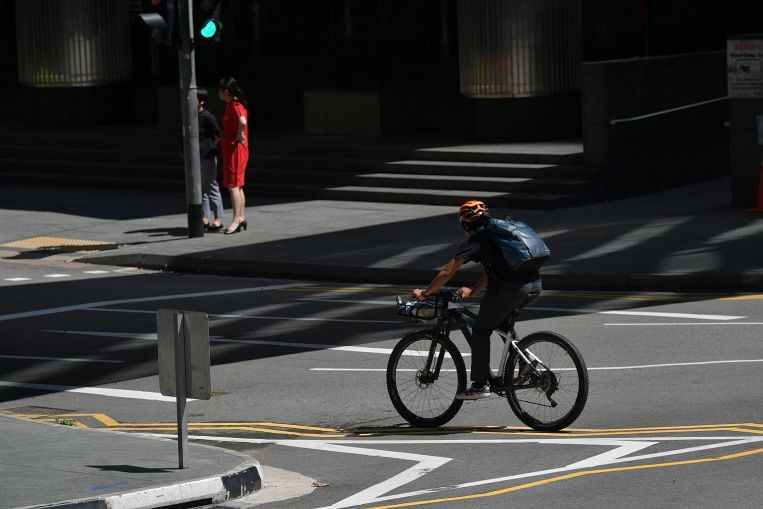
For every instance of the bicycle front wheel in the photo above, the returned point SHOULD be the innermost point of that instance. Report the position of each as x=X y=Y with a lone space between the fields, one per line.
x=551 y=396
x=424 y=374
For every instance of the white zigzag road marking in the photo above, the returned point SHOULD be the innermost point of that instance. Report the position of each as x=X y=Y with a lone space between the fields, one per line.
x=622 y=451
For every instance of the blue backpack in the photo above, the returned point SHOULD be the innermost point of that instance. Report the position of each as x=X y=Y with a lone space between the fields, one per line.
x=522 y=248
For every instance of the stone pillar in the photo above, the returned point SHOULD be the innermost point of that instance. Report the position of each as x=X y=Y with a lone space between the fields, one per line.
x=74 y=61
x=520 y=67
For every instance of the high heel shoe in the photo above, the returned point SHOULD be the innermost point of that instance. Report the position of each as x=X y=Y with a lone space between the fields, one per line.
x=212 y=227
x=241 y=226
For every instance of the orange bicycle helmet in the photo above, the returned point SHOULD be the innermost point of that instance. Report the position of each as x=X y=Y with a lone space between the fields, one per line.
x=471 y=215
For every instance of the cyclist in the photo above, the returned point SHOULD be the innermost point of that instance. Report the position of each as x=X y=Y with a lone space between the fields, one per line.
x=506 y=290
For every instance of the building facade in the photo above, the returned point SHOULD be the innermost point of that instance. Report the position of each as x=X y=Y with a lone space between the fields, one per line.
x=496 y=69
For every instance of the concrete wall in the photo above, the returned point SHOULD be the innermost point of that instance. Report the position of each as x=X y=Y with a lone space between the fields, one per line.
x=659 y=151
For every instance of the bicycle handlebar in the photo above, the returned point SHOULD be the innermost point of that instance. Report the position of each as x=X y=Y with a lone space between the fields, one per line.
x=449 y=295
x=434 y=306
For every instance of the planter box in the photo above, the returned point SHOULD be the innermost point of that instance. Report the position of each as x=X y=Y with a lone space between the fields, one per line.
x=359 y=112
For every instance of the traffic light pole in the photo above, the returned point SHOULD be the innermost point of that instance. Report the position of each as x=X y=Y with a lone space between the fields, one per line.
x=190 y=117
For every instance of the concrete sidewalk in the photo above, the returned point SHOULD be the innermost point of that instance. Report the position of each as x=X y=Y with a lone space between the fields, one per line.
x=686 y=239
x=51 y=465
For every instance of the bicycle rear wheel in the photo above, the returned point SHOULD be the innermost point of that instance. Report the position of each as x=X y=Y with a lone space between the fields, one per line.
x=552 y=396
x=423 y=387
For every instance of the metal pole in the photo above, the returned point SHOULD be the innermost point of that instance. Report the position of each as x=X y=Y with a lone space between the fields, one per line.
x=188 y=106
x=181 y=376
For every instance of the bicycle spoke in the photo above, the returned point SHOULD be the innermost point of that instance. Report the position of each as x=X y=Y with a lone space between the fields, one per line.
x=422 y=396
x=555 y=392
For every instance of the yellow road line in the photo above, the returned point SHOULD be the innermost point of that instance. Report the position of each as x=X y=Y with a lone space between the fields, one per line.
x=102 y=418
x=192 y=427
x=569 y=432
x=687 y=426
x=225 y=424
x=573 y=475
x=303 y=430
x=60 y=243
x=743 y=297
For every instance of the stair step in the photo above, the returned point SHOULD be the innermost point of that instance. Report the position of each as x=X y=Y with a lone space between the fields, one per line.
x=558 y=152
x=561 y=152
x=151 y=157
x=92 y=168
x=419 y=182
x=429 y=197
x=90 y=181
x=482 y=169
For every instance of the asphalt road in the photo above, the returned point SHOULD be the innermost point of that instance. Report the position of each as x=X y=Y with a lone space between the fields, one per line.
x=673 y=417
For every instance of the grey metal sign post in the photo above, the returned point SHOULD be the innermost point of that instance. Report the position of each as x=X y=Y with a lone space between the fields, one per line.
x=184 y=366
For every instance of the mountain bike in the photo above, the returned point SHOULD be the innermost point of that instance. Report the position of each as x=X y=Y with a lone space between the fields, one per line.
x=543 y=376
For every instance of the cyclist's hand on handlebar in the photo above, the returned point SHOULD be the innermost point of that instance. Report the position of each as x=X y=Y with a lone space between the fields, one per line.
x=418 y=294
x=465 y=292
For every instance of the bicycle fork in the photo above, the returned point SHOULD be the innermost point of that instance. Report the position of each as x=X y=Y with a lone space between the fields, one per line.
x=428 y=374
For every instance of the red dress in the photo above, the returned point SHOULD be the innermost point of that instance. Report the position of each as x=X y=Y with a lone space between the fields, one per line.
x=235 y=154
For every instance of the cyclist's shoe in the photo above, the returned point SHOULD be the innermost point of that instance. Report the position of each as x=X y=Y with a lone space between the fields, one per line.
x=525 y=370
x=476 y=391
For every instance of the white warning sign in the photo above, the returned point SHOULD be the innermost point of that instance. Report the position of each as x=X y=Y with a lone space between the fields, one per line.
x=744 y=59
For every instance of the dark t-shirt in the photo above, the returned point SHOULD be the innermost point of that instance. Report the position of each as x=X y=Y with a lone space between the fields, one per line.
x=208 y=129
x=479 y=247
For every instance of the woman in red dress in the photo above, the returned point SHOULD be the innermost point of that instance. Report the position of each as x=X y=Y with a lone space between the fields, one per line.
x=234 y=146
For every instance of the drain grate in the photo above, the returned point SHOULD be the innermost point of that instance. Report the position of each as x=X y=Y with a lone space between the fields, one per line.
x=61 y=244
x=36 y=410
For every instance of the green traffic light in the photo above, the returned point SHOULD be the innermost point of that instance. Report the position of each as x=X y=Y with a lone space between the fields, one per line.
x=210 y=29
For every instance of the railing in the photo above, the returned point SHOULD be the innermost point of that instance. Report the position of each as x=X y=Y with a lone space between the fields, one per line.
x=665 y=112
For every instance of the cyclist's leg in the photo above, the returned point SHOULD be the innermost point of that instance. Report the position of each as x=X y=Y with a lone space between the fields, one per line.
x=496 y=306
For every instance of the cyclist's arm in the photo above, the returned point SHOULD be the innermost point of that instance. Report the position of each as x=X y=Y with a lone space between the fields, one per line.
x=440 y=279
x=476 y=287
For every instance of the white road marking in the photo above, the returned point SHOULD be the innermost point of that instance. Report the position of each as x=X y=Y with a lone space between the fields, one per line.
x=567 y=469
x=391 y=302
x=126 y=269
x=603 y=368
x=218 y=339
x=59 y=359
x=17 y=279
x=424 y=465
x=671 y=324
x=149 y=336
x=96 y=272
x=57 y=275
x=103 y=303
x=364 y=370
x=253 y=317
x=97 y=391
x=638 y=313
x=622 y=452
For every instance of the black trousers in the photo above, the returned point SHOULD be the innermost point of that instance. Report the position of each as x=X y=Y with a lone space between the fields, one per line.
x=496 y=305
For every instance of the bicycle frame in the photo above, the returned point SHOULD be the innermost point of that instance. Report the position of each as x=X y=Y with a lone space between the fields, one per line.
x=509 y=336
x=543 y=397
